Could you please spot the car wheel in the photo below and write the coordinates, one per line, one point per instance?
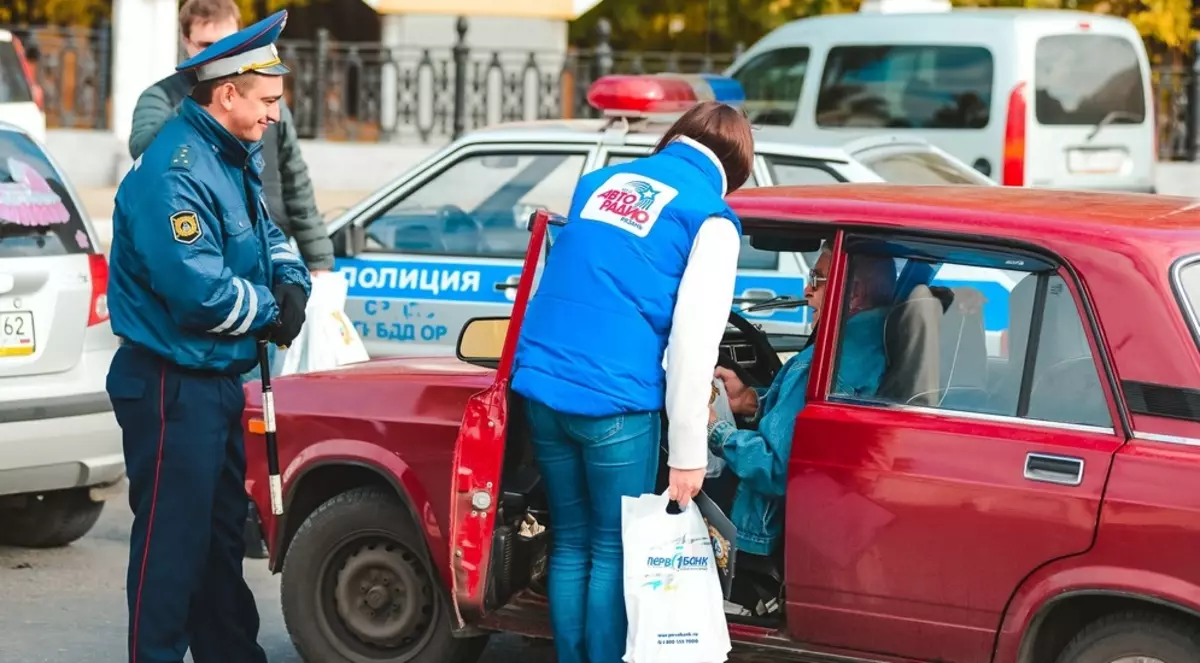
(50, 520)
(1135, 637)
(357, 587)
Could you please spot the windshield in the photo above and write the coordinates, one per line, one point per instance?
(1086, 79)
(919, 167)
(37, 216)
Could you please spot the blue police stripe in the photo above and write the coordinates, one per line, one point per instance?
(439, 281)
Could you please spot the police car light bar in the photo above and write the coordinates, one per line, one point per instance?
(660, 94)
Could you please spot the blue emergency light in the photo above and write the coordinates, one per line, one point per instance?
(661, 94)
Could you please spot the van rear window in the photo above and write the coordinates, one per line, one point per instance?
(13, 86)
(37, 215)
(907, 87)
(773, 81)
(1086, 78)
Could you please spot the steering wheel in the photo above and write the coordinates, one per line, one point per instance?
(766, 360)
(455, 221)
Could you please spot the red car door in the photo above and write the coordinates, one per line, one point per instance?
(479, 457)
(913, 514)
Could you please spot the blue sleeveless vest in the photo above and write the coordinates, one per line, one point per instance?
(596, 330)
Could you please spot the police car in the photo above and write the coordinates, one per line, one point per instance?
(443, 243)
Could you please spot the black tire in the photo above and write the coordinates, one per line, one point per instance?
(1128, 635)
(50, 520)
(356, 556)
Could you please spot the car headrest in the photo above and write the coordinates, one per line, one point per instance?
(910, 339)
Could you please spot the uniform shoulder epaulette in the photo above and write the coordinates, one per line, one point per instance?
(182, 158)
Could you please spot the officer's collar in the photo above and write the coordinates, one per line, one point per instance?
(230, 147)
(705, 154)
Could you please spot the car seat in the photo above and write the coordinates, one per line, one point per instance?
(910, 341)
(963, 360)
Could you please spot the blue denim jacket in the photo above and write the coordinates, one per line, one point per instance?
(760, 457)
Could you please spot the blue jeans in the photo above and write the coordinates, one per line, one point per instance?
(588, 464)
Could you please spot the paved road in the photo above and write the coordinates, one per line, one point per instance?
(68, 605)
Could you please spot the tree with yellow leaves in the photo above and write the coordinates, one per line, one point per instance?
(89, 12)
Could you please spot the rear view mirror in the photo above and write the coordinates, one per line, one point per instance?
(482, 339)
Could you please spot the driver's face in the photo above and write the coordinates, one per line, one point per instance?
(814, 291)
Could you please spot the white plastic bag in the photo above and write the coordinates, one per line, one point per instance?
(720, 403)
(672, 592)
(328, 338)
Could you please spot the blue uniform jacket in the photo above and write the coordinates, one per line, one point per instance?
(194, 253)
(759, 458)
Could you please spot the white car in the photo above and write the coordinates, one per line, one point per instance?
(20, 94)
(60, 446)
(443, 243)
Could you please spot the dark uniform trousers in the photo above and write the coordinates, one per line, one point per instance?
(184, 453)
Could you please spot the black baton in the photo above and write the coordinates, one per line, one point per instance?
(268, 405)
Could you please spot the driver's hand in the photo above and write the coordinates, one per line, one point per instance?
(742, 399)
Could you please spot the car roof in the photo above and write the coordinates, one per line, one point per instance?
(767, 140)
(895, 23)
(1013, 213)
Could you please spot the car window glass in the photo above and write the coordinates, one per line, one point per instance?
(478, 206)
(1189, 287)
(1081, 79)
(13, 86)
(918, 168)
(791, 173)
(956, 339)
(773, 81)
(918, 87)
(37, 215)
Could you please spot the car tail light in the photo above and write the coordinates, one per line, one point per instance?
(1013, 173)
(98, 311)
(39, 96)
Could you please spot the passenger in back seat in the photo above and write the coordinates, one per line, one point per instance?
(759, 458)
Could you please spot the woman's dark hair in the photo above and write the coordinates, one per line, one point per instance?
(722, 129)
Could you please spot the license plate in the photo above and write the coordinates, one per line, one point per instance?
(16, 333)
(1095, 161)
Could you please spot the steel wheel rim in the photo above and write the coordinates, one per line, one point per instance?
(376, 599)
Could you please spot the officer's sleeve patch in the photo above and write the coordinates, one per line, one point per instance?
(630, 202)
(186, 227)
(182, 158)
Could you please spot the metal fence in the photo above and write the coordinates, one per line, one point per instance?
(372, 92)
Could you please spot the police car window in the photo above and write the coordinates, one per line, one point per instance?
(956, 338)
(918, 168)
(1084, 78)
(918, 87)
(793, 173)
(13, 87)
(478, 206)
(773, 81)
(37, 215)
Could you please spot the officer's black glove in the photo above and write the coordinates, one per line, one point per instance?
(291, 301)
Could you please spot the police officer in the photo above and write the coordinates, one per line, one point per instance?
(198, 273)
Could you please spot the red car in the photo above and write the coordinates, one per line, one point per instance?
(1023, 488)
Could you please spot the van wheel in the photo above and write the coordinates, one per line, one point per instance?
(1135, 637)
(357, 587)
(50, 520)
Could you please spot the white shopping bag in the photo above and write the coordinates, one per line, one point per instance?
(673, 595)
(328, 338)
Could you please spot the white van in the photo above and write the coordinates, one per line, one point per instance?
(1041, 98)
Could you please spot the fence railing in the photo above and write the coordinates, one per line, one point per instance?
(373, 92)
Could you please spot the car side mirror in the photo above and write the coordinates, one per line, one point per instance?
(482, 340)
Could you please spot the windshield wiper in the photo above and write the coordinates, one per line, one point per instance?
(1108, 119)
(779, 301)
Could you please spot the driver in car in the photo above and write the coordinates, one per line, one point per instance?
(759, 458)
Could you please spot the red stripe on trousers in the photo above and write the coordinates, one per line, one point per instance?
(162, 435)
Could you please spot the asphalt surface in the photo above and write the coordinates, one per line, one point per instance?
(67, 605)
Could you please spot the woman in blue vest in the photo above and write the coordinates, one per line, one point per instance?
(627, 320)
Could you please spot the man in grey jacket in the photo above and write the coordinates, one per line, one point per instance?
(286, 185)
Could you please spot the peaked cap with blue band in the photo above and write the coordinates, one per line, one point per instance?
(251, 49)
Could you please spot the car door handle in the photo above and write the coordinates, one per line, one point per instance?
(1063, 470)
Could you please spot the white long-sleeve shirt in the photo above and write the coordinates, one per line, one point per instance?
(697, 327)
